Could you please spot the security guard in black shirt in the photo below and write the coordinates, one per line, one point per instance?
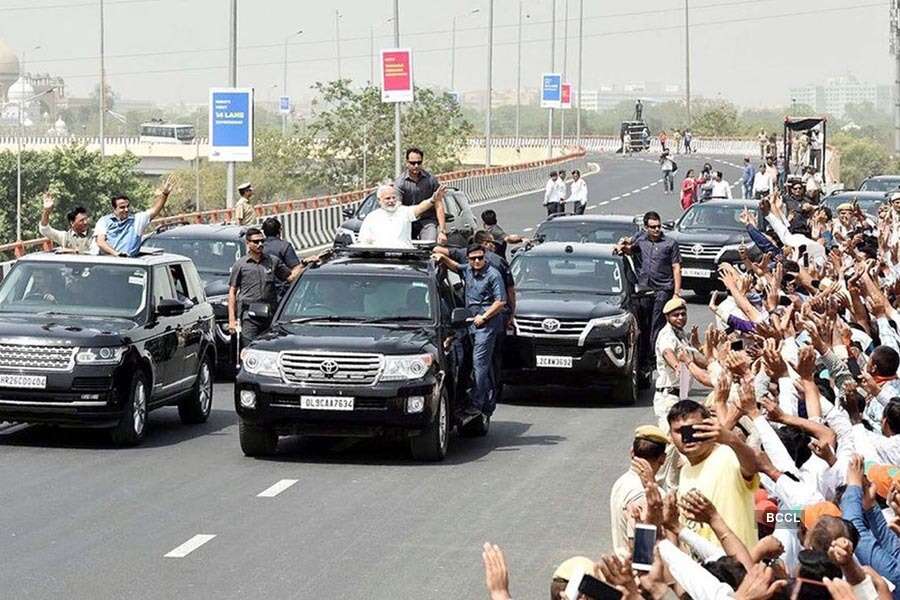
(253, 279)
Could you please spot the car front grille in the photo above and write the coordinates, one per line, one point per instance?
(39, 358)
(337, 368)
(707, 251)
(551, 327)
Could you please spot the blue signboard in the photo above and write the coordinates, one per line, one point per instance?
(284, 105)
(551, 90)
(231, 124)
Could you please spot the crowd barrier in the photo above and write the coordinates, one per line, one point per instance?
(312, 222)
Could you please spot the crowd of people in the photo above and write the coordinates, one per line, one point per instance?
(558, 192)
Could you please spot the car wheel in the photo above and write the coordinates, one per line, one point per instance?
(196, 406)
(627, 389)
(130, 430)
(431, 444)
(257, 440)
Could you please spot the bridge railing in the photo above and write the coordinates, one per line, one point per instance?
(609, 143)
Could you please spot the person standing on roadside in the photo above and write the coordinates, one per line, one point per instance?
(677, 141)
(578, 193)
(120, 233)
(626, 144)
(762, 183)
(244, 214)
(688, 190)
(76, 238)
(551, 194)
(747, 178)
(668, 170)
(415, 185)
(688, 138)
(762, 139)
(721, 189)
(663, 140)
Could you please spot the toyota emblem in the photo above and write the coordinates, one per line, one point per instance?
(329, 368)
(550, 325)
(697, 249)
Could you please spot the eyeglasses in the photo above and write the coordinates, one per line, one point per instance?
(476, 258)
(255, 241)
(414, 162)
(654, 226)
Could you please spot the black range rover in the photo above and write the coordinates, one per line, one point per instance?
(575, 319)
(709, 234)
(362, 345)
(100, 341)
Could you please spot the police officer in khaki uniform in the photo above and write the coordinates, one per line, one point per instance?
(244, 213)
(253, 279)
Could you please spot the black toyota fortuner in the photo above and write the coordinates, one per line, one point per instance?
(575, 319)
(362, 345)
(100, 341)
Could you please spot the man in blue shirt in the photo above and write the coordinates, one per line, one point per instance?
(747, 178)
(485, 299)
(119, 233)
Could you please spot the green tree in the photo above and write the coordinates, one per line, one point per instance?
(861, 158)
(720, 119)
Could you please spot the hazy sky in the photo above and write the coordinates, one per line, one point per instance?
(749, 51)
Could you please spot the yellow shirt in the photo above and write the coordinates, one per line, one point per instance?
(719, 479)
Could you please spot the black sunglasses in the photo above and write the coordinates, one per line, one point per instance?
(474, 258)
(414, 162)
(255, 241)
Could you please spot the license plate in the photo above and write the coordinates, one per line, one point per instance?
(557, 362)
(326, 402)
(32, 382)
(701, 273)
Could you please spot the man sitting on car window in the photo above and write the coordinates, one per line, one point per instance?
(390, 225)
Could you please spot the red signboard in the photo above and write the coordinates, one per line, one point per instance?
(566, 101)
(396, 75)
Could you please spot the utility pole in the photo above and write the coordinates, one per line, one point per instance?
(397, 163)
(102, 86)
(580, 70)
(284, 80)
(232, 81)
(519, 75)
(552, 68)
(490, 85)
(337, 38)
(895, 50)
(371, 55)
(565, 65)
(687, 61)
(453, 46)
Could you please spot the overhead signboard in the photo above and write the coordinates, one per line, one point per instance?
(457, 98)
(231, 124)
(551, 90)
(566, 96)
(396, 75)
(284, 105)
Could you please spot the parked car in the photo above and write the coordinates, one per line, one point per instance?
(369, 342)
(881, 183)
(576, 321)
(101, 341)
(599, 229)
(869, 202)
(461, 222)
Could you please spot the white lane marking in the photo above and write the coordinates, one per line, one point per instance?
(527, 229)
(645, 187)
(614, 198)
(593, 206)
(604, 203)
(637, 191)
(189, 546)
(626, 194)
(276, 489)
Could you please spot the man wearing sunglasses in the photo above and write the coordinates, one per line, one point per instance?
(253, 280)
(485, 299)
(415, 185)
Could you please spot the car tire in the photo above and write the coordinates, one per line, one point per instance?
(194, 408)
(257, 440)
(627, 389)
(431, 445)
(133, 424)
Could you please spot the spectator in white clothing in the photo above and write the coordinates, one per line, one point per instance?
(390, 225)
(721, 189)
(577, 193)
(762, 183)
(552, 196)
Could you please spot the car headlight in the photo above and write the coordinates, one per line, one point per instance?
(413, 366)
(107, 355)
(614, 322)
(260, 362)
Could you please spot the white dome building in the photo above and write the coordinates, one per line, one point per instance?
(20, 91)
(9, 68)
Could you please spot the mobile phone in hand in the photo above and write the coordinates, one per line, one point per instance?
(593, 588)
(644, 542)
(688, 434)
(737, 345)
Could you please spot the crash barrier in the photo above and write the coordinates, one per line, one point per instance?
(311, 222)
(605, 144)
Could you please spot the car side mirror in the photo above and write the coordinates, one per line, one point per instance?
(459, 317)
(170, 307)
(260, 310)
(348, 212)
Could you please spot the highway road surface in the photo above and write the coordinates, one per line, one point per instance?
(186, 515)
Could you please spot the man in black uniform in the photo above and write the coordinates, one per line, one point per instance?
(414, 185)
(277, 247)
(253, 279)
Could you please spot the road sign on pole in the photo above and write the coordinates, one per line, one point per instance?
(396, 75)
(231, 124)
(284, 105)
(551, 90)
(566, 96)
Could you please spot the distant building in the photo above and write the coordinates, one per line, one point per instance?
(17, 88)
(609, 96)
(478, 98)
(833, 97)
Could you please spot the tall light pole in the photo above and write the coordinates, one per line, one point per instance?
(580, 70)
(232, 81)
(284, 79)
(22, 103)
(565, 66)
(552, 68)
(397, 163)
(687, 61)
(371, 55)
(453, 46)
(102, 85)
(519, 74)
(895, 50)
(490, 85)
(337, 38)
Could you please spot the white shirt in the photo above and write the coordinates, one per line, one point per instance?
(721, 189)
(625, 491)
(667, 339)
(578, 191)
(552, 191)
(384, 229)
(761, 183)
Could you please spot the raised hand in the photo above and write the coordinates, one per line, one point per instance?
(758, 584)
(48, 200)
(697, 507)
(496, 574)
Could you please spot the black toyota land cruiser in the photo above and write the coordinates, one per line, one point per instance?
(575, 320)
(361, 345)
(100, 341)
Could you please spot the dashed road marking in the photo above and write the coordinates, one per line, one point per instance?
(604, 203)
(593, 206)
(276, 489)
(527, 229)
(614, 198)
(626, 194)
(189, 546)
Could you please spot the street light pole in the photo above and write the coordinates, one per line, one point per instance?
(552, 67)
(102, 85)
(371, 55)
(490, 85)
(565, 66)
(453, 46)
(519, 75)
(232, 81)
(687, 61)
(580, 70)
(337, 33)
(19, 133)
(284, 80)
(397, 162)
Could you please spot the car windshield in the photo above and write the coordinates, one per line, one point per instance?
(358, 298)
(568, 274)
(74, 289)
(880, 185)
(868, 205)
(598, 233)
(211, 257)
(706, 216)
